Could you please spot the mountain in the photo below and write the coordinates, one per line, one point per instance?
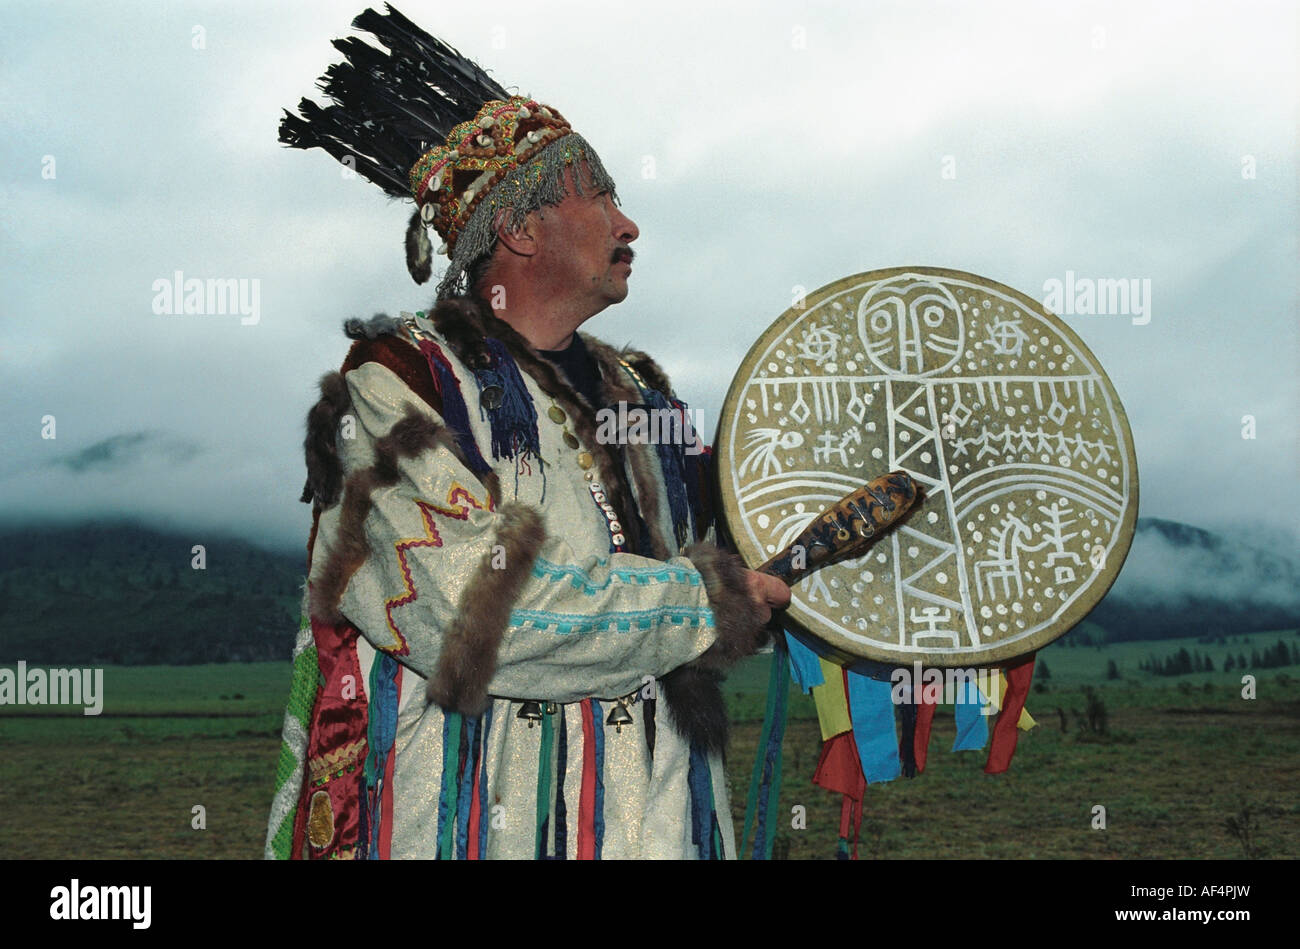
(1181, 580)
(120, 593)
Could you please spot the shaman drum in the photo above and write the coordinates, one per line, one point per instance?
(997, 411)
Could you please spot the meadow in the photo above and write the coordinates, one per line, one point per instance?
(1185, 767)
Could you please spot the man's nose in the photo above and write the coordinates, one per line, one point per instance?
(625, 228)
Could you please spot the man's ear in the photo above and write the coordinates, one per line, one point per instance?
(522, 240)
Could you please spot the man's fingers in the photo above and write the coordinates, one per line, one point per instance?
(778, 594)
(767, 591)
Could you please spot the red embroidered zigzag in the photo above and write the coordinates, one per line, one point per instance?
(460, 501)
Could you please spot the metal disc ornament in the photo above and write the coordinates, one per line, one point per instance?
(997, 411)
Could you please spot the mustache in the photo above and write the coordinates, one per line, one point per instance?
(623, 255)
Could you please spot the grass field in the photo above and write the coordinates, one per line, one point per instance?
(1182, 756)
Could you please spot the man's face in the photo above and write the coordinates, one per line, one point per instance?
(583, 244)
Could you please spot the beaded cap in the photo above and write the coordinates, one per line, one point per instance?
(506, 201)
(454, 175)
(417, 118)
(510, 158)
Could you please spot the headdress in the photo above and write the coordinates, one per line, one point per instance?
(422, 121)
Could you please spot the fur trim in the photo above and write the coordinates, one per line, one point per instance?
(655, 377)
(419, 252)
(696, 706)
(324, 470)
(737, 618)
(464, 323)
(381, 324)
(646, 473)
(692, 692)
(643, 459)
(460, 322)
(469, 646)
(412, 434)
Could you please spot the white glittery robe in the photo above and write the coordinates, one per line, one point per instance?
(587, 624)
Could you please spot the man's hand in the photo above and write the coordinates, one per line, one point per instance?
(767, 592)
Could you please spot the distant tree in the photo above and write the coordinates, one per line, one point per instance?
(1209, 663)
(1255, 659)
(1198, 664)
(1112, 670)
(1241, 660)
(1043, 671)
(1094, 711)
(1229, 663)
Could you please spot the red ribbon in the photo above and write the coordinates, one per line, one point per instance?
(1005, 731)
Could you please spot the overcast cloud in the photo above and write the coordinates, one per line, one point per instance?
(792, 144)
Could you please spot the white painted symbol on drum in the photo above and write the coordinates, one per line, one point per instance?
(899, 323)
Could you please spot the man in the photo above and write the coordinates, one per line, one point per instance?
(511, 646)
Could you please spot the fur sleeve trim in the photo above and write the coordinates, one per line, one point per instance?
(740, 626)
(324, 470)
(412, 434)
(469, 647)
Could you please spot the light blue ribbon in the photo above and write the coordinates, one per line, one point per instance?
(872, 711)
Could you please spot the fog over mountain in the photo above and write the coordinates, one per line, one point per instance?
(1181, 580)
(1171, 563)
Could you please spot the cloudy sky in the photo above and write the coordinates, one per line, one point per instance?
(791, 144)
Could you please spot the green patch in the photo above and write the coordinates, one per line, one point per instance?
(1210, 775)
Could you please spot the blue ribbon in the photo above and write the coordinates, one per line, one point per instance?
(382, 729)
(972, 724)
(805, 668)
(872, 711)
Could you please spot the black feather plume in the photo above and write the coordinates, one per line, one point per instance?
(389, 106)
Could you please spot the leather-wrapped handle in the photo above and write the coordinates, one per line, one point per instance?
(845, 529)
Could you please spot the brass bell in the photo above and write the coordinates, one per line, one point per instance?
(531, 712)
(618, 717)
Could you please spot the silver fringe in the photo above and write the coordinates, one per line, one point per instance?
(510, 194)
